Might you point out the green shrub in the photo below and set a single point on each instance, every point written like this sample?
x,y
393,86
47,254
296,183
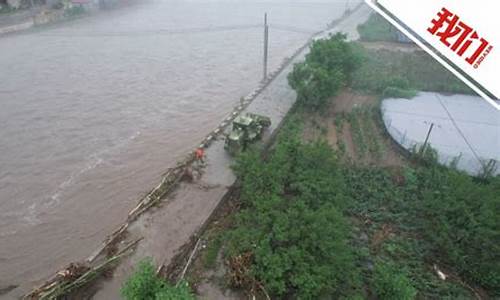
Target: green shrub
x,y
390,283
328,67
314,85
292,220
180,292
145,285
334,54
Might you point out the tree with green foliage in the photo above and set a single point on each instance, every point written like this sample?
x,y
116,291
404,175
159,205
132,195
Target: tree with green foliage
x,y
327,68
314,85
335,54
145,285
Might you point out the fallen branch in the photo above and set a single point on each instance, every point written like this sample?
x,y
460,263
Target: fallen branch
x,y
189,261
56,289
263,290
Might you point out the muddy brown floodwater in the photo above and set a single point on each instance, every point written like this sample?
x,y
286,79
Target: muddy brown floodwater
x,y
94,111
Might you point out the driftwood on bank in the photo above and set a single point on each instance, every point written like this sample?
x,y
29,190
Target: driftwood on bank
x,y
68,280
168,183
189,260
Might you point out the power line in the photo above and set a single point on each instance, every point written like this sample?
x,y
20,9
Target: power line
x,y
460,132
293,29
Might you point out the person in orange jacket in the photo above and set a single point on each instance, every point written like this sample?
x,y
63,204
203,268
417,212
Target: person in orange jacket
x,y
200,154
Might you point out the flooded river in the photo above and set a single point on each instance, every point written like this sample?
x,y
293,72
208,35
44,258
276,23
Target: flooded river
x,y
92,112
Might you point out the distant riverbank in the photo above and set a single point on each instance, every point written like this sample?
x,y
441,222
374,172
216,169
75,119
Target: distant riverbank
x,y
38,16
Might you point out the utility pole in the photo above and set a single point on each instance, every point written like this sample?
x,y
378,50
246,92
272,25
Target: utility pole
x,y
266,46
347,8
426,139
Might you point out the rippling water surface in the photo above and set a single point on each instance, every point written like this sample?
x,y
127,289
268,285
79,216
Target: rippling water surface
x,y
93,111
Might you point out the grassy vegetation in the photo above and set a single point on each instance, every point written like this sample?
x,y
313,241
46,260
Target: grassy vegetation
x,y
438,218
397,73
368,117
145,285
359,139
296,225
212,251
375,29
293,223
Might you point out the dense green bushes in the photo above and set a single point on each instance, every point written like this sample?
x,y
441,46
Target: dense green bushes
x,y
145,285
293,222
327,68
391,283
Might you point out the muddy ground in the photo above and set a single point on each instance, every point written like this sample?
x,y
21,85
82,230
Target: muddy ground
x,y
338,126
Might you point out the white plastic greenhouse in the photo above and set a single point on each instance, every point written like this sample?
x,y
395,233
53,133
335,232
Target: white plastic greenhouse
x,y
466,128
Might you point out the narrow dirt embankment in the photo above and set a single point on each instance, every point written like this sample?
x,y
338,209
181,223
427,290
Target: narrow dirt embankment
x,y
177,209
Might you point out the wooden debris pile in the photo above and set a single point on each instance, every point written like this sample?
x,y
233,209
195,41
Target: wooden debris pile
x,y
240,277
239,267
75,276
